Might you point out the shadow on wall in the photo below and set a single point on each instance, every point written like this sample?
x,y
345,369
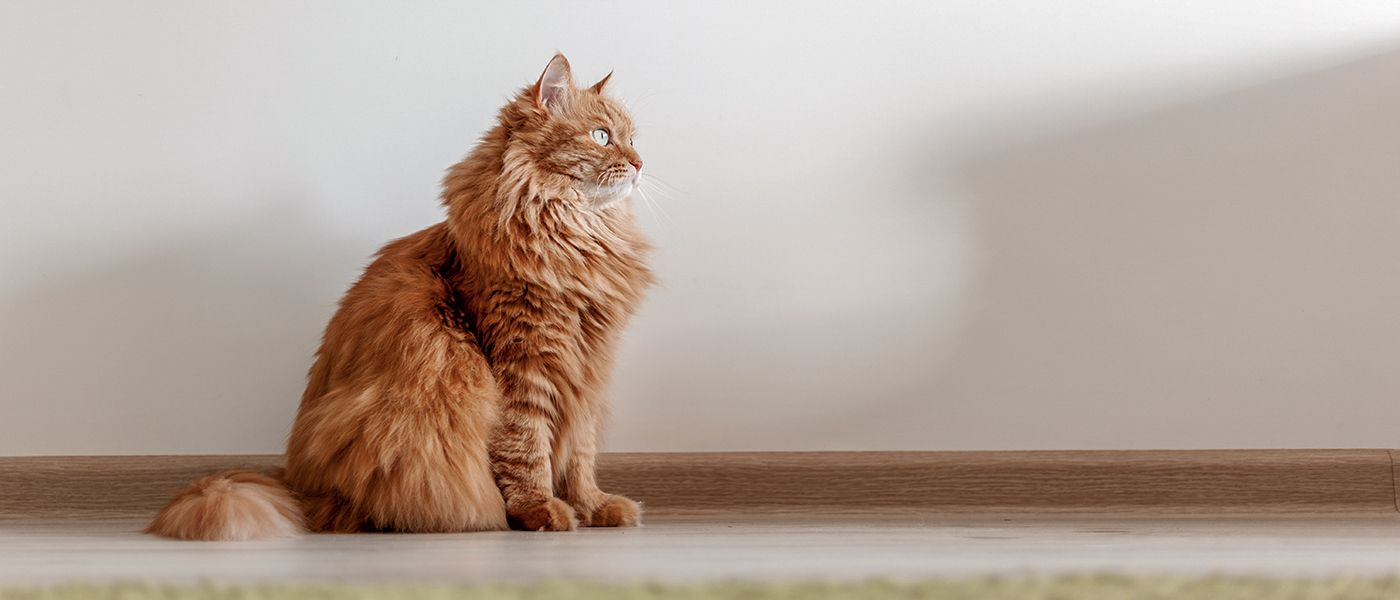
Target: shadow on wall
x,y
1175,278
184,336
1179,277
1183,276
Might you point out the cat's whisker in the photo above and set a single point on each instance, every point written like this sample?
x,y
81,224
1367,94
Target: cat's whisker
x,y
656,207
660,192
643,196
663,192
665,216
657,214
662,184
647,202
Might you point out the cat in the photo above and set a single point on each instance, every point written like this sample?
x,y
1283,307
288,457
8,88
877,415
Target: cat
x,y
461,385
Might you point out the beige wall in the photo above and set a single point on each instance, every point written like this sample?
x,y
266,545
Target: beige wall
x,y
922,225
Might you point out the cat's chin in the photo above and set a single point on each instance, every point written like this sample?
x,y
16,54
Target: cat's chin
x,y
612,199
608,205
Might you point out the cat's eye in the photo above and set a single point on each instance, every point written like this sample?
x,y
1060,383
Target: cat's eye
x,y
600,136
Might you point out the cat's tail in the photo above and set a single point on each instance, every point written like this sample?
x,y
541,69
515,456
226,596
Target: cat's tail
x,y
229,506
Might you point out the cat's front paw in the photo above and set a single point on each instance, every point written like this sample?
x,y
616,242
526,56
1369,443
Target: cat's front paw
x,y
615,511
551,515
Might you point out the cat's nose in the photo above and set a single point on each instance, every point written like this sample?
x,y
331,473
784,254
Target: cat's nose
x,y
638,164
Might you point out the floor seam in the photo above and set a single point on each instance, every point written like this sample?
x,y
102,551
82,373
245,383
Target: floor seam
x,y
1394,489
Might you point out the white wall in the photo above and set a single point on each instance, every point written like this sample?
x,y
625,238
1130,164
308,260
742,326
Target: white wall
x,y
947,224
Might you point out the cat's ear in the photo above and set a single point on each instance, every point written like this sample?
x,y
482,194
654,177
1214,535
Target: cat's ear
x,y
598,87
555,84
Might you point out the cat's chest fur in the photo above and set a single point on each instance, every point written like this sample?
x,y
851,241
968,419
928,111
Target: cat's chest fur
x,y
581,284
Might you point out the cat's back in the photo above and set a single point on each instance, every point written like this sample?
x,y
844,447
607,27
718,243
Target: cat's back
x,y
410,272
399,371
406,303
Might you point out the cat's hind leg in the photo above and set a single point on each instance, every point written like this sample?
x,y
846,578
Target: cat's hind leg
x,y
394,427
381,461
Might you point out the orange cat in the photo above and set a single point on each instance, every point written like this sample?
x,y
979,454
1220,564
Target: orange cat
x,y
461,386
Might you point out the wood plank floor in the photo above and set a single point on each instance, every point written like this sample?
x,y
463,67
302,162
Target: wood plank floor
x,y
1358,481
772,516
706,547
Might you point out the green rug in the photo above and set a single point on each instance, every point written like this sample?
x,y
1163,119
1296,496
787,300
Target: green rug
x,y
1104,587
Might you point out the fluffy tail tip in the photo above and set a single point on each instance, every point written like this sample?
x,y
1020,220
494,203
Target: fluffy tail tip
x,y
229,507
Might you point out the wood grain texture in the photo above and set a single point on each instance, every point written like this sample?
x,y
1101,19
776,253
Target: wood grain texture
x,y
1394,478
716,547
1206,481
106,487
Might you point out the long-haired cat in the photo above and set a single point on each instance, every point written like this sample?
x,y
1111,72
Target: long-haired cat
x,y
461,385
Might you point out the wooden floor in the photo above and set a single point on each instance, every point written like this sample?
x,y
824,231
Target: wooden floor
x,y
772,516
1360,481
699,547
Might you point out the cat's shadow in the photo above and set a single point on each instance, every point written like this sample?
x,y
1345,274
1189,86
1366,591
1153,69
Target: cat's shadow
x,y
194,345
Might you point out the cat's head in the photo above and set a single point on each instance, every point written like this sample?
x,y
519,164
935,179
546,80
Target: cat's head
x,y
570,142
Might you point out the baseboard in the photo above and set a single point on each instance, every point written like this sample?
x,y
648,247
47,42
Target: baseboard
x,y
1176,481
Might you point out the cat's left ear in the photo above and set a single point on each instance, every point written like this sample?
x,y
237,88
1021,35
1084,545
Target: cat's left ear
x,y
598,87
555,85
